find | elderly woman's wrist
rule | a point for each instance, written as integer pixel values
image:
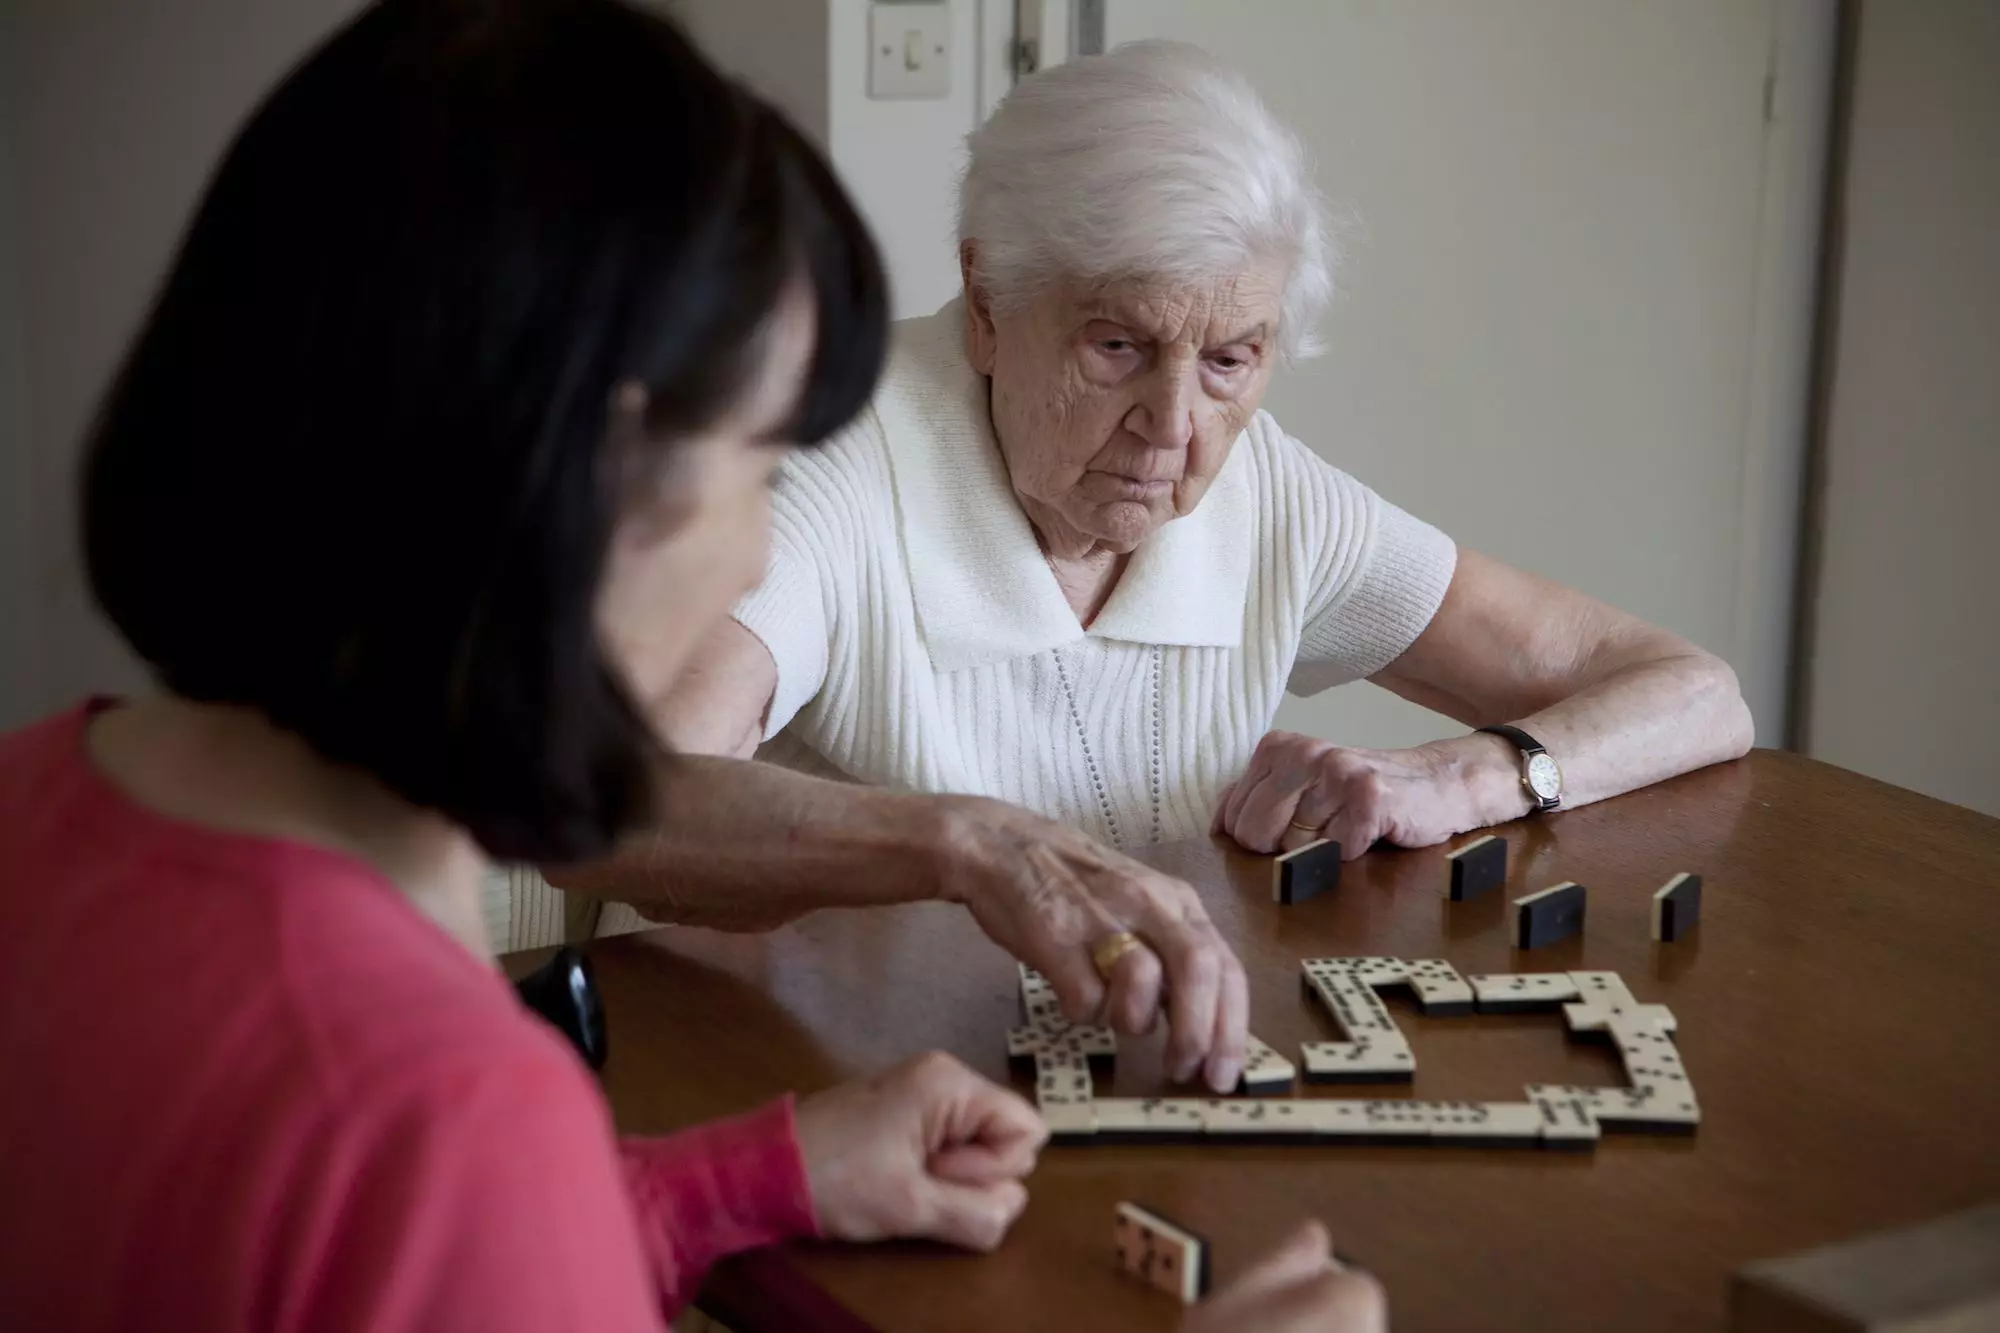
(957, 839)
(1485, 771)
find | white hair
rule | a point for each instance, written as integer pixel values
(1154, 160)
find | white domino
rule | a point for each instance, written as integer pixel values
(1521, 990)
(1161, 1117)
(1599, 1018)
(1266, 1071)
(1374, 1060)
(1254, 1119)
(1567, 1119)
(1438, 986)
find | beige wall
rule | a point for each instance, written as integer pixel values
(121, 108)
(1905, 657)
(1578, 305)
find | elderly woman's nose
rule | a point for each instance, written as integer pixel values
(1164, 414)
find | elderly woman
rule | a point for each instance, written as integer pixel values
(1064, 561)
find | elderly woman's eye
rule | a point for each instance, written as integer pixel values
(1223, 361)
(1115, 344)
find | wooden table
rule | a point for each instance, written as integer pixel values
(1836, 1009)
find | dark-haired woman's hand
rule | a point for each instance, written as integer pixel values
(929, 1150)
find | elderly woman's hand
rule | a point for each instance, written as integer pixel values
(1051, 896)
(1298, 789)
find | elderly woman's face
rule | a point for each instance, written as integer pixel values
(1117, 406)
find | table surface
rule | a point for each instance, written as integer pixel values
(1835, 1006)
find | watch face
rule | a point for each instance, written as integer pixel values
(1545, 779)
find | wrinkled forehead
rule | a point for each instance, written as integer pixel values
(1242, 306)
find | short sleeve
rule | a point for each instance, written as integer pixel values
(820, 500)
(1380, 577)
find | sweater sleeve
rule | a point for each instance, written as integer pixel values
(796, 609)
(716, 1190)
(1379, 575)
(500, 1203)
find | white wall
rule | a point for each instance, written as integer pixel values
(1905, 665)
(778, 47)
(123, 107)
(1574, 262)
(902, 159)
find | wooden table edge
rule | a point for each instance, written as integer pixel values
(763, 1291)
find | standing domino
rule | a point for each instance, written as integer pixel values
(1306, 873)
(1161, 1254)
(1549, 916)
(1477, 868)
(1677, 907)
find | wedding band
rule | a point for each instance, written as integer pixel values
(1106, 953)
(1307, 828)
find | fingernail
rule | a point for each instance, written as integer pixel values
(1224, 1075)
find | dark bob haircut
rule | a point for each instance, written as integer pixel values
(354, 471)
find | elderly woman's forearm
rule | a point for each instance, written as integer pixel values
(1640, 724)
(741, 841)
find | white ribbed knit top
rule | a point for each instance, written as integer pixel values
(922, 641)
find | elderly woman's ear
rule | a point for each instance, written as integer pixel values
(981, 341)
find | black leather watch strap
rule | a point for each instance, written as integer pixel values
(1529, 747)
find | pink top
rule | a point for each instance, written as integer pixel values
(244, 1084)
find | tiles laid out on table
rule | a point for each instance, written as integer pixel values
(1549, 917)
(1306, 873)
(1266, 1121)
(1521, 992)
(1161, 1253)
(1477, 868)
(1097, 1045)
(1649, 1110)
(1378, 1059)
(1149, 1119)
(1567, 1118)
(1265, 1072)
(1038, 998)
(1439, 988)
(1677, 907)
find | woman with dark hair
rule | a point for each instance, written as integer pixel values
(448, 437)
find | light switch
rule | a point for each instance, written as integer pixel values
(909, 50)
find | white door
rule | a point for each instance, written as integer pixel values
(1578, 294)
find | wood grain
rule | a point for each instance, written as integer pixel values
(1835, 1005)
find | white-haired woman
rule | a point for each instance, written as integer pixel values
(1065, 561)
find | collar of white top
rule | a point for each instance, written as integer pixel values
(983, 591)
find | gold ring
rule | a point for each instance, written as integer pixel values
(1106, 953)
(1308, 828)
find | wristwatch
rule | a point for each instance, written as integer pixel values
(1540, 773)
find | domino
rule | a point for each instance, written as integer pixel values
(1439, 988)
(1643, 1110)
(1477, 868)
(1367, 971)
(1567, 1120)
(1161, 1253)
(1262, 1121)
(1097, 1045)
(1676, 908)
(1060, 1082)
(1038, 998)
(1588, 1018)
(1151, 1120)
(1521, 992)
(1651, 1061)
(1070, 1122)
(1549, 917)
(1266, 1073)
(1306, 873)
(1487, 1124)
(1373, 1061)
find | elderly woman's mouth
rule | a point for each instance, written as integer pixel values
(1127, 488)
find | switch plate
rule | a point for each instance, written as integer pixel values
(909, 51)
